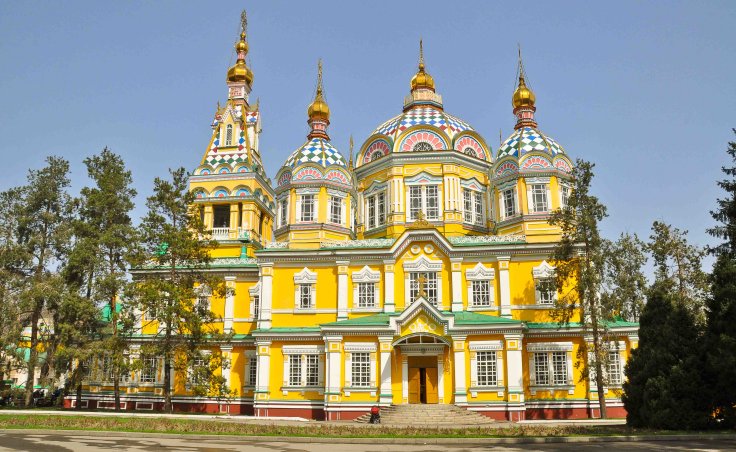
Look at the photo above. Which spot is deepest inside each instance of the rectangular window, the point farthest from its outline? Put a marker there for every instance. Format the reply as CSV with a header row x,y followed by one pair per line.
x,y
221,216
467,206
366,295
361,368
312,370
615,378
486,364
509,202
433,202
546,291
335,210
204,297
252,370
564,195
283,213
541,369
430,286
195,371
478,208
371,215
148,369
481,293
415,202
295,370
381,208
539,198
229,135
305,296
307,208
256,305
559,368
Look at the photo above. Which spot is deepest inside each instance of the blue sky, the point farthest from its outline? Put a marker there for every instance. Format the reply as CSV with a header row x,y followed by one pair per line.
x,y
643,89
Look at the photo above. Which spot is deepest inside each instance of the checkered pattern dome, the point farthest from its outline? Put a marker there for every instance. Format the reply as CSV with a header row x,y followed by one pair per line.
x,y
528,139
316,150
423,115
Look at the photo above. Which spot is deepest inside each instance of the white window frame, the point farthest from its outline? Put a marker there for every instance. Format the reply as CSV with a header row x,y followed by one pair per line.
x,y
303,355
360,347
229,132
547,353
283,213
421,183
307,278
614,348
496,347
508,208
200,360
477,274
422,264
250,373
539,202
366,276
335,197
204,297
565,191
543,274
255,301
300,194
143,376
473,203
532,206
375,208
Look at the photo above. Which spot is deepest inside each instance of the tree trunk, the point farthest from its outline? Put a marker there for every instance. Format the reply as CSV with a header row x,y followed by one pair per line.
x,y
167,384
116,351
79,373
33,356
598,368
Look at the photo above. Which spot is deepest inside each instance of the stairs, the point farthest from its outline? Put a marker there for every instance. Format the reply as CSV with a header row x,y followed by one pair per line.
x,y
428,416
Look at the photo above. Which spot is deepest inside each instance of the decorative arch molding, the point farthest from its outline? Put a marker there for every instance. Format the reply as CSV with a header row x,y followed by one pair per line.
x,y
543,271
535,162
337,176
422,138
305,276
241,191
423,178
219,192
375,187
377,149
200,193
472,184
242,169
307,173
284,178
470,146
366,275
204,170
506,168
423,264
480,273
563,165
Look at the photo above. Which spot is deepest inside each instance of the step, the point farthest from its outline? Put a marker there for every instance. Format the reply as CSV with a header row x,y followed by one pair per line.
x,y
428,415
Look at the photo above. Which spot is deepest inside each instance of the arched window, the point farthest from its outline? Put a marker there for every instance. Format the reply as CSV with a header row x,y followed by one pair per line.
x,y
470,151
229,135
422,146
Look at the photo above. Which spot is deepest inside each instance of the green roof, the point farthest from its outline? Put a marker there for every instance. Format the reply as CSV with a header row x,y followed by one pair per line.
x,y
618,323
473,318
280,330
369,320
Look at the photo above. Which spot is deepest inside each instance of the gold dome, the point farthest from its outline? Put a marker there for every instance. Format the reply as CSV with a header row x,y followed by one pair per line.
x,y
523,96
421,79
239,72
319,109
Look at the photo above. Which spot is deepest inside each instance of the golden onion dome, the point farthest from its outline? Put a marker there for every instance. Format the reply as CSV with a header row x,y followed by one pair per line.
x,y
422,80
319,109
239,72
523,96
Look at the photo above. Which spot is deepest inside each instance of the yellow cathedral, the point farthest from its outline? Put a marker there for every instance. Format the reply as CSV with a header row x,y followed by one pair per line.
x,y
410,273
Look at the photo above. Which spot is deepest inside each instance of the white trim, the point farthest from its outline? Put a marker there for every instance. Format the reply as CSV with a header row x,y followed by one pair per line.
x,y
302,349
549,347
485,345
365,274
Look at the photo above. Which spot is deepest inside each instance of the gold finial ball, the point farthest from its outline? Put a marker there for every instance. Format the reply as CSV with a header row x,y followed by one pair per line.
x,y
523,96
319,109
422,80
240,73
241,46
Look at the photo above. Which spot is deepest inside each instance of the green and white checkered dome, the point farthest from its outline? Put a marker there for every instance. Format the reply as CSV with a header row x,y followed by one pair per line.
x,y
528,139
318,151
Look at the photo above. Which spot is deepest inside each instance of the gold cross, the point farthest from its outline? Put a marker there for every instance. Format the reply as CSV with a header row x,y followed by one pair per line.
x,y
421,282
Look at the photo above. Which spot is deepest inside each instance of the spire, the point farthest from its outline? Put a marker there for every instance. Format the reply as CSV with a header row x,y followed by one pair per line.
x,y
421,55
319,111
421,79
239,73
523,99
350,162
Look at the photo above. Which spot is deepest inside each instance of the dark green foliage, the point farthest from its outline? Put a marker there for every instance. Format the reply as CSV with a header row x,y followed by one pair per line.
x,y
664,387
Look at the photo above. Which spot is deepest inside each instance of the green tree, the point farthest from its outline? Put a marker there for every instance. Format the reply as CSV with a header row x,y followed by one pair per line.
x,y
106,243
44,230
678,261
624,283
579,260
720,335
664,385
168,287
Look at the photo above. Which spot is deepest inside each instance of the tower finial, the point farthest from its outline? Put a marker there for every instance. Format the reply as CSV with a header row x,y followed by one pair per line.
x,y
318,111
523,99
350,162
243,22
319,77
240,72
421,55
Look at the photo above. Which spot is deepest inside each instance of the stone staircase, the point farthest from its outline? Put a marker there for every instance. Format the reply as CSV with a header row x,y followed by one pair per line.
x,y
428,416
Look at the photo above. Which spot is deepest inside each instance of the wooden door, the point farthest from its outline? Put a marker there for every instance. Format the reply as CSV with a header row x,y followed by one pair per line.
x,y
414,385
431,384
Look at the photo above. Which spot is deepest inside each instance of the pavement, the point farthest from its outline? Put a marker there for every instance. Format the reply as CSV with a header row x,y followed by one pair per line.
x,y
58,441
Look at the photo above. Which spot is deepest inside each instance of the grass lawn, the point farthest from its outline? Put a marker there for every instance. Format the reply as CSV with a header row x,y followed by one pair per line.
x,y
204,427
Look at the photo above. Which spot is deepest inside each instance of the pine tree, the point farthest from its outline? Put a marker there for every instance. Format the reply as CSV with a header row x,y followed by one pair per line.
x,y
624,283
106,242
720,336
179,248
44,226
664,386
579,260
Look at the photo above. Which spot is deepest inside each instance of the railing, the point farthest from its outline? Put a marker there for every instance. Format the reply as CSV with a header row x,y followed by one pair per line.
x,y
233,234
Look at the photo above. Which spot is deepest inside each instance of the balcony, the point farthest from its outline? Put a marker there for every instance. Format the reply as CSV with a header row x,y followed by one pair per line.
x,y
241,234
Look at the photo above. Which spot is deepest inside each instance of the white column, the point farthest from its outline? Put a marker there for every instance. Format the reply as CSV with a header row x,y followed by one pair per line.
x,y
333,350
342,289
461,391
388,287
457,287
504,285
514,372
404,379
226,363
229,303
385,393
261,393
266,275
441,378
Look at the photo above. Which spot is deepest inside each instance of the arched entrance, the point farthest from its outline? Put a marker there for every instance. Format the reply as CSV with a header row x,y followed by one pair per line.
x,y
422,359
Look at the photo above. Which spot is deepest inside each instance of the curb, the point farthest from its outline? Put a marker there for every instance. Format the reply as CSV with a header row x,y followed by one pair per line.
x,y
407,441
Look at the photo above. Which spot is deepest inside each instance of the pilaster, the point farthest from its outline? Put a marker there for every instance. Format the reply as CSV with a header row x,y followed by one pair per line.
x,y
457,289
461,390
229,303
226,351
266,274
515,376
385,394
263,350
388,288
504,285
342,289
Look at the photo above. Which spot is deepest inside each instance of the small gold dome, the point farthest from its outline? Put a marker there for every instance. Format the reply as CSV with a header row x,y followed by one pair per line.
x,y
523,96
319,109
239,72
421,79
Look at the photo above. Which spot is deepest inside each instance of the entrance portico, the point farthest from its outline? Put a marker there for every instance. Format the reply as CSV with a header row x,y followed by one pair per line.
x,y
423,357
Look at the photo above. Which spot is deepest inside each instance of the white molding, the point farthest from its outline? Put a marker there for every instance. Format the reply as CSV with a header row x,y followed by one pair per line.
x,y
423,178
423,264
365,274
302,349
480,273
478,346
305,276
360,347
549,347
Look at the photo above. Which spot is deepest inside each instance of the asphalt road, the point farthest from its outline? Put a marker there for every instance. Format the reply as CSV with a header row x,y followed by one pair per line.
x,y
78,441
